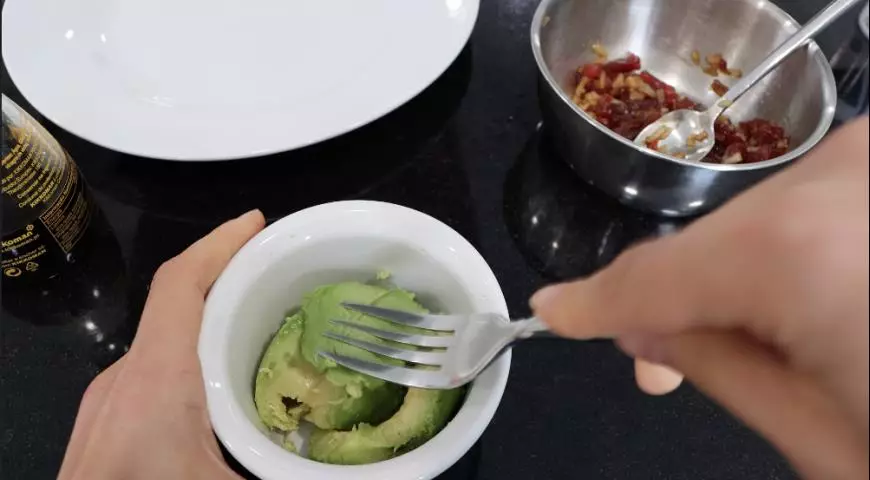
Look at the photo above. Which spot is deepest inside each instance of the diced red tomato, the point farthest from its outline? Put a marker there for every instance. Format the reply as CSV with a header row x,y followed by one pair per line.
x,y
718,87
652,81
592,71
685,103
627,110
630,63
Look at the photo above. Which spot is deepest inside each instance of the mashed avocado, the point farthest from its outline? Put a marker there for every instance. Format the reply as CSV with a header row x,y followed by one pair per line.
x,y
359,419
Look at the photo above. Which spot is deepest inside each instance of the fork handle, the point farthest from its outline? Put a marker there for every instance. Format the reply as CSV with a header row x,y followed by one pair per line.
x,y
532,328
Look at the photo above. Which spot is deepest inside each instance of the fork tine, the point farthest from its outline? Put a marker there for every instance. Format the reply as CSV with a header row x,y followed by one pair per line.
x,y
425,358
403,376
442,341
447,323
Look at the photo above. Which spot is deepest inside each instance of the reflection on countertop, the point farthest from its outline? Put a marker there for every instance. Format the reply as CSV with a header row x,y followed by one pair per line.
x,y
547,210
85,305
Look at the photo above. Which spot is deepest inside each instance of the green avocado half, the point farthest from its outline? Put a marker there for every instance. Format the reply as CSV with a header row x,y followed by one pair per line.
x,y
289,389
423,414
359,419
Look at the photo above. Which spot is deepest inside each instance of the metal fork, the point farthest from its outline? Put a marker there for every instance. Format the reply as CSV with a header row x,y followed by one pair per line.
x,y
453,350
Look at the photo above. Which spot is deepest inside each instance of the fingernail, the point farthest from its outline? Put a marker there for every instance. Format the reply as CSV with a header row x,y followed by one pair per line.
x,y
544,296
253,213
656,379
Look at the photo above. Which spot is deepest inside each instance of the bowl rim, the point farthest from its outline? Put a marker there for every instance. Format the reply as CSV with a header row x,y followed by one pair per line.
x,y
828,91
246,441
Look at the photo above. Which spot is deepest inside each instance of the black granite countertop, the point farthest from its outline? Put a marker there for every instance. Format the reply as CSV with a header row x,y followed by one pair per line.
x,y
466,151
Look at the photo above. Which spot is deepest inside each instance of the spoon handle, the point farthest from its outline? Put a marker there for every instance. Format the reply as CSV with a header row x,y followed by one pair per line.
x,y
821,20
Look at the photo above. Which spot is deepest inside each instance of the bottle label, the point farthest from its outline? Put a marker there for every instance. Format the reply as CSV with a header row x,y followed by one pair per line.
x,y
42,183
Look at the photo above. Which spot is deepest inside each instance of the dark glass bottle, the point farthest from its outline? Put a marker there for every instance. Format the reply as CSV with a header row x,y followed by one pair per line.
x,y
63,272
47,207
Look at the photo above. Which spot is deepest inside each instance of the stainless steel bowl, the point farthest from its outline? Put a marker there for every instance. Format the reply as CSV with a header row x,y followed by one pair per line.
x,y
800,94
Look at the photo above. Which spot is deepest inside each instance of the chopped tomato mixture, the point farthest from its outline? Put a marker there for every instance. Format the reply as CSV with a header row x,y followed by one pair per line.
x,y
718,87
626,99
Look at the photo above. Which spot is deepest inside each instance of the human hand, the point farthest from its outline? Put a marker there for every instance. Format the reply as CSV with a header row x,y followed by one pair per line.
x,y
763,305
145,416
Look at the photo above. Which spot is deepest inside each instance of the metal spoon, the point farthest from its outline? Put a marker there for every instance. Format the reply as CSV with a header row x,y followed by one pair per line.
x,y
689,133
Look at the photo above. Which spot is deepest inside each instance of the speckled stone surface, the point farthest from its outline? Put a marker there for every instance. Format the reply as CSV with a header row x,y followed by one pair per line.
x,y
467,151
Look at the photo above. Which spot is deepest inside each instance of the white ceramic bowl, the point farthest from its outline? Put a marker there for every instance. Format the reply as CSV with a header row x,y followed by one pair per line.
x,y
330,243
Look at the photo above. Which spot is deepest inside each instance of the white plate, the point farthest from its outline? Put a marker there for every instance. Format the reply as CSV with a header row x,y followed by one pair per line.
x,y
223,79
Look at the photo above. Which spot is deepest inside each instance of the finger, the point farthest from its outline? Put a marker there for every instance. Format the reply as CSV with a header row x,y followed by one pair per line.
x,y
173,312
759,388
203,261
652,378
661,286
845,149
91,404
699,277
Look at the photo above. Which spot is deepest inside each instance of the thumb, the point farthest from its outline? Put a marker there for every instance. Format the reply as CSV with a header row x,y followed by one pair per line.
x,y
173,311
